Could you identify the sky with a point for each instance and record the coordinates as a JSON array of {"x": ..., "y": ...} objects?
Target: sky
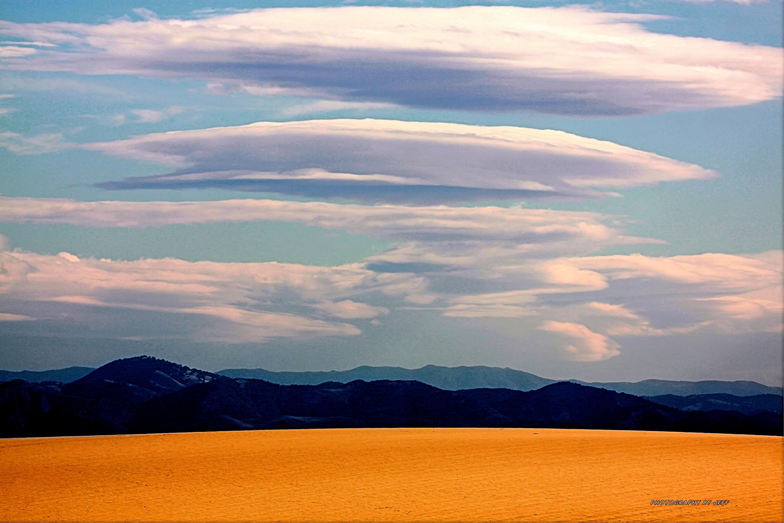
[{"x": 579, "y": 190}]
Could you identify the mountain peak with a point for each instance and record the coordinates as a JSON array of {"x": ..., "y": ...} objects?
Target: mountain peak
[{"x": 148, "y": 372}]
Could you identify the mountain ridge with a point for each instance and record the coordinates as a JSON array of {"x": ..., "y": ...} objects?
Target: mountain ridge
[
  {"x": 447, "y": 378},
  {"x": 144, "y": 394},
  {"x": 501, "y": 377}
]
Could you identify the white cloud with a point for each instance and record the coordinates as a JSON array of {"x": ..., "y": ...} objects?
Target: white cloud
[
  {"x": 742, "y": 2},
  {"x": 384, "y": 160},
  {"x": 20, "y": 83},
  {"x": 4, "y": 316},
  {"x": 155, "y": 116},
  {"x": 562, "y": 60},
  {"x": 531, "y": 263},
  {"x": 14, "y": 51},
  {"x": 242, "y": 301},
  {"x": 755, "y": 311},
  {"x": 717, "y": 271},
  {"x": 484, "y": 242},
  {"x": 331, "y": 106},
  {"x": 402, "y": 222},
  {"x": 351, "y": 310},
  {"x": 584, "y": 344},
  {"x": 495, "y": 310},
  {"x": 37, "y": 144},
  {"x": 6, "y": 110},
  {"x": 601, "y": 298}
]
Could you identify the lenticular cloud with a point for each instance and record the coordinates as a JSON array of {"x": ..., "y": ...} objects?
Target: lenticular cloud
[
  {"x": 554, "y": 60},
  {"x": 385, "y": 160}
]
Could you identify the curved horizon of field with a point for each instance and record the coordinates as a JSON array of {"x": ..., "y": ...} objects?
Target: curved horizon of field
[{"x": 421, "y": 474}]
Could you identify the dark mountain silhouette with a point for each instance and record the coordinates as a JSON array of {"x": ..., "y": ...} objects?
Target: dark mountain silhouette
[
  {"x": 742, "y": 404},
  {"x": 150, "y": 395},
  {"x": 148, "y": 374},
  {"x": 37, "y": 376},
  {"x": 688, "y": 388},
  {"x": 457, "y": 378},
  {"x": 446, "y": 378}
]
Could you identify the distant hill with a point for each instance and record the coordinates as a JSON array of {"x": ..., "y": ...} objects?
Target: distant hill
[
  {"x": 688, "y": 388},
  {"x": 447, "y": 378},
  {"x": 457, "y": 378},
  {"x": 151, "y": 395},
  {"x": 145, "y": 372},
  {"x": 98, "y": 403},
  {"x": 705, "y": 402},
  {"x": 36, "y": 376}
]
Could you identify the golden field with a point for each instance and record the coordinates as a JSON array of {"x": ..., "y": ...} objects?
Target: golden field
[{"x": 392, "y": 475}]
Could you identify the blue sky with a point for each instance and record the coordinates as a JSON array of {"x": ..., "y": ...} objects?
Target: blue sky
[{"x": 577, "y": 190}]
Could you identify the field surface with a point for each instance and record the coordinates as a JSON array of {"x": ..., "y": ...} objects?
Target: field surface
[{"x": 392, "y": 475}]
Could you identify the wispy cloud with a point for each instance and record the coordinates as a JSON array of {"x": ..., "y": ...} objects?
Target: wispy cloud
[
  {"x": 14, "y": 317},
  {"x": 242, "y": 302},
  {"x": 568, "y": 60},
  {"x": 596, "y": 302},
  {"x": 424, "y": 238},
  {"x": 331, "y": 106},
  {"x": 584, "y": 344},
  {"x": 386, "y": 160},
  {"x": 36, "y": 144},
  {"x": 6, "y": 110},
  {"x": 155, "y": 116},
  {"x": 392, "y": 221},
  {"x": 467, "y": 262},
  {"x": 742, "y": 2},
  {"x": 20, "y": 83}
]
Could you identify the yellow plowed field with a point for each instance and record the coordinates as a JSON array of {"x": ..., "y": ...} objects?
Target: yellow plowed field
[{"x": 393, "y": 475}]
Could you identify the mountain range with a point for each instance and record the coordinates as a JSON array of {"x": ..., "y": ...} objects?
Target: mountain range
[
  {"x": 145, "y": 394},
  {"x": 446, "y": 378}
]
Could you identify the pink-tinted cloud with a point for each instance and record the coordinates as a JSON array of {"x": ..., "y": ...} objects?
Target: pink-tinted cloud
[
  {"x": 583, "y": 344},
  {"x": 385, "y": 160},
  {"x": 249, "y": 301},
  {"x": 561, "y": 60}
]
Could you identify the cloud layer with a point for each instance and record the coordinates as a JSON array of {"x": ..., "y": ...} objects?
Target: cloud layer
[
  {"x": 238, "y": 302},
  {"x": 387, "y": 160},
  {"x": 255, "y": 302},
  {"x": 472, "y": 263},
  {"x": 568, "y": 60}
]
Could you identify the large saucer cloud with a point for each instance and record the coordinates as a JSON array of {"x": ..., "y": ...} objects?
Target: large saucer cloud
[
  {"x": 568, "y": 60},
  {"x": 389, "y": 160}
]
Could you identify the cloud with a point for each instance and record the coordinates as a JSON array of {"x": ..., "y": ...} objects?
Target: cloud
[
  {"x": 717, "y": 271},
  {"x": 14, "y": 51},
  {"x": 38, "y": 144},
  {"x": 424, "y": 239},
  {"x": 755, "y": 311},
  {"x": 568, "y": 60},
  {"x": 6, "y": 110},
  {"x": 400, "y": 222},
  {"x": 742, "y": 2},
  {"x": 255, "y": 302},
  {"x": 467, "y": 262},
  {"x": 387, "y": 160},
  {"x": 585, "y": 344},
  {"x": 599, "y": 300},
  {"x": 351, "y": 310},
  {"x": 239, "y": 302},
  {"x": 14, "y": 317},
  {"x": 331, "y": 106},
  {"x": 155, "y": 116},
  {"x": 21, "y": 83}
]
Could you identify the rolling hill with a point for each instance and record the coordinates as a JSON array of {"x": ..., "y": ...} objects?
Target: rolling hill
[{"x": 145, "y": 394}]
